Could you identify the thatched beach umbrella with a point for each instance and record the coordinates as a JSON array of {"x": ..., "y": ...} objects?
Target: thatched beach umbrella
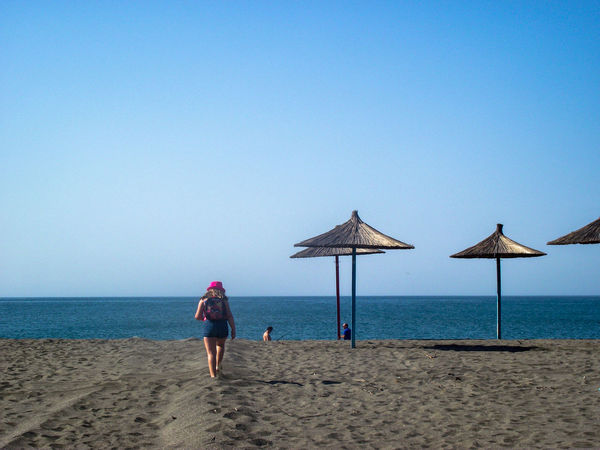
[
  {"x": 354, "y": 234},
  {"x": 314, "y": 252},
  {"x": 590, "y": 234},
  {"x": 498, "y": 246}
]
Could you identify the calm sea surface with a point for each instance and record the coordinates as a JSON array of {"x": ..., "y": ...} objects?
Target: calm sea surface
[{"x": 304, "y": 317}]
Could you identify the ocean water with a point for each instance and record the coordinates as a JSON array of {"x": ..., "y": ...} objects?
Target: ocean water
[{"x": 295, "y": 318}]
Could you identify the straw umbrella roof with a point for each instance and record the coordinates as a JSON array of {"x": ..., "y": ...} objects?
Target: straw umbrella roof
[
  {"x": 354, "y": 233},
  {"x": 590, "y": 234},
  {"x": 498, "y": 246},
  {"x": 313, "y": 252}
]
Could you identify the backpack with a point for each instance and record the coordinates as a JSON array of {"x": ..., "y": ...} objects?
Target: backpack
[{"x": 215, "y": 309}]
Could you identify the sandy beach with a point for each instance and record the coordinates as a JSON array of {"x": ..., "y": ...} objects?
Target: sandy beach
[{"x": 137, "y": 393}]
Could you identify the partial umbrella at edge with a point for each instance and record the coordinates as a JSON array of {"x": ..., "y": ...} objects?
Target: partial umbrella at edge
[
  {"x": 354, "y": 234},
  {"x": 589, "y": 234},
  {"x": 315, "y": 252},
  {"x": 497, "y": 246}
]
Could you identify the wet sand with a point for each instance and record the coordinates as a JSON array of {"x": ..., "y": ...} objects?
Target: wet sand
[{"x": 138, "y": 393}]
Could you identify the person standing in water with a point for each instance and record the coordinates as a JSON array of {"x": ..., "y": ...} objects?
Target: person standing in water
[
  {"x": 267, "y": 334},
  {"x": 346, "y": 333},
  {"x": 213, "y": 309}
]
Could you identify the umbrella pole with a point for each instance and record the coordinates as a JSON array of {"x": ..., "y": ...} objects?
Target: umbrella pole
[
  {"x": 353, "y": 297},
  {"x": 337, "y": 292},
  {"x": 499, "y": 298}
]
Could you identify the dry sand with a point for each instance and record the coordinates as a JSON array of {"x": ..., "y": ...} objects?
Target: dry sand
[{"x": 290, "y": 394}]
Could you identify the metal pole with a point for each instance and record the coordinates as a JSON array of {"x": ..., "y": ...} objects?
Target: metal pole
[
  {"x": 353, "y": 331},
  {"x": 337, "y": 292},
  {"x": 499, "y": 298}
]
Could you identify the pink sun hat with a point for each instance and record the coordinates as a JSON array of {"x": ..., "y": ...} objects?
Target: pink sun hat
[{"x": 216, "y": 285}]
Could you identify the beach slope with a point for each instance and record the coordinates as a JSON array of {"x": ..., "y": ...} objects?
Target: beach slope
[{"x": 291, "y": 394}]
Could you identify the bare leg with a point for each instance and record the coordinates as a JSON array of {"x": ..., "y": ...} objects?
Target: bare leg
[
  {"x": 211, "y": 353},
  {"x": 220, "y": 352}
]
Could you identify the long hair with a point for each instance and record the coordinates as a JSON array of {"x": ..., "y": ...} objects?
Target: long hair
[{"x": 215, "y": 293}]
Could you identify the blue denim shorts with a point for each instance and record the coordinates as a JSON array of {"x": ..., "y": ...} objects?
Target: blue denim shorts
[{"x": 216, "y": 328}]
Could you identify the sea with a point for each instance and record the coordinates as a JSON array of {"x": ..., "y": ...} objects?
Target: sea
[{"x": 301, "y": 318}]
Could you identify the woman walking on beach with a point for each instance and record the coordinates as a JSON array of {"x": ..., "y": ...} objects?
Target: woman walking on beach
[{"x": 214, "y": 309}]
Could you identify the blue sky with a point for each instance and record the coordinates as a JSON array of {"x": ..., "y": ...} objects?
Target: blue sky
[{"x": 148, "y": 148}]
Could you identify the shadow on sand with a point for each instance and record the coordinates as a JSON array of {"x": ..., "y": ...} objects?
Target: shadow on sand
[
  {"x": 279, "y": 382},
  {"x": 481, "y": 348}
]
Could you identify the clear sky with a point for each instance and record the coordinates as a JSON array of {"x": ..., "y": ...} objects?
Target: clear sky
[{"x": 148, "y": 148}]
